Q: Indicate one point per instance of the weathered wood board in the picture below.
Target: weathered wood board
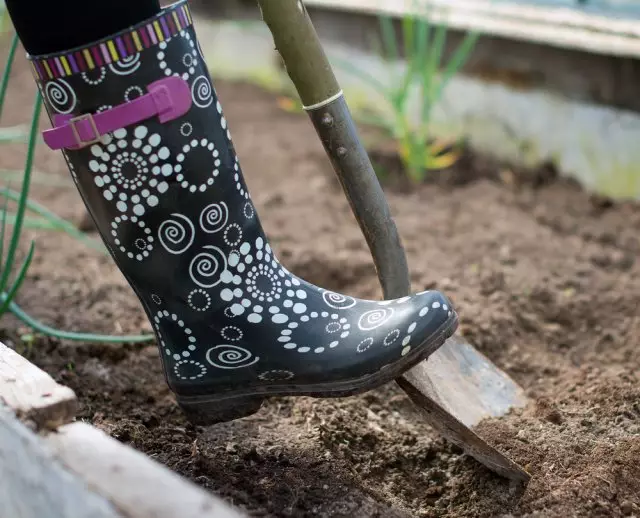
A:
(34, 485)
(139, 486)
(32, 394)
(73, 470)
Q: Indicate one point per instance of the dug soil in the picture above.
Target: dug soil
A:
(544, 276)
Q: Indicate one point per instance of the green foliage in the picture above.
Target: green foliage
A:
(18, 219)
(422, 45)
(4, 18)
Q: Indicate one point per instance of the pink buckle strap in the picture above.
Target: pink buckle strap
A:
(168, 98)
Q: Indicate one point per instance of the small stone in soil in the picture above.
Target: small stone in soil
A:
(84, 222)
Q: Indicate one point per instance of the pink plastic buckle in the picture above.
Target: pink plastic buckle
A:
(76, 134)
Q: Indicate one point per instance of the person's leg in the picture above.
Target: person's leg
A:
(47, 26)
(161, 178)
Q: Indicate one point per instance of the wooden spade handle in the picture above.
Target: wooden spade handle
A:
(299, 46)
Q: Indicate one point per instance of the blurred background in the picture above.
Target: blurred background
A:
(550, 81)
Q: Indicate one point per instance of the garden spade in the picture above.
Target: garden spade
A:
(457, 386)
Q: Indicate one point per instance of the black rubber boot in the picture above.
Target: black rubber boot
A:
(148, 147)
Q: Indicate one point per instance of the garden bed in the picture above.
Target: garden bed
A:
(546, 282)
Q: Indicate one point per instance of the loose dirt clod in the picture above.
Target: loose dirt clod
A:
(544, 278)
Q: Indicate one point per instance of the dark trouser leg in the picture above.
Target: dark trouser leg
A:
(46, 26)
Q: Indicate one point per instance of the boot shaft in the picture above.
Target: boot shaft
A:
(159, 192)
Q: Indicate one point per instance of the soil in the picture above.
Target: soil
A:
(545, 278)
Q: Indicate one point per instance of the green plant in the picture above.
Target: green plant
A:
(423, 46)
(46, 219)
(4, 18)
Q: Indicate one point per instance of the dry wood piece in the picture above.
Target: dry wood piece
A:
(550, 15)
(34, 485)
(78, 471)
(138, 486)
(32, 394)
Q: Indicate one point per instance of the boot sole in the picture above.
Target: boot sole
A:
(209, 409)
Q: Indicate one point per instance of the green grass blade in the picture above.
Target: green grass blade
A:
(422, 43)
(457, 61)
(37, 177)
(3, 226)
(431, 71)
(58, 223)
(11, 293)
(428, 83)
(11, 135)
(401, 94)
(361, 74)
(4, 84)
(419, 61)
(408, 39)
(22, 203)
(389, 38)
(439, 40)
(38, 326)
(416, 59)
(32, 223)
(398, 96)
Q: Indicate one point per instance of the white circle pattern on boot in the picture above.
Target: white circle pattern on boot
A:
(231, 357)
(126, 167)
(139, 241)
(176, 234)
(202, 148)
(263, 286)
(187, 65)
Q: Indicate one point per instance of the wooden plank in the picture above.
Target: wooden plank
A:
(34, 485)
(32, 394)
(137, 485)
(557, 26)
(77, 471)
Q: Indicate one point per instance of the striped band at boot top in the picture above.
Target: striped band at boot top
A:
(121, 48)
(172, 206)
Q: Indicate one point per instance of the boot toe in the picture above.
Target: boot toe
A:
(432, 314)
(417, 326)
(372, 339)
